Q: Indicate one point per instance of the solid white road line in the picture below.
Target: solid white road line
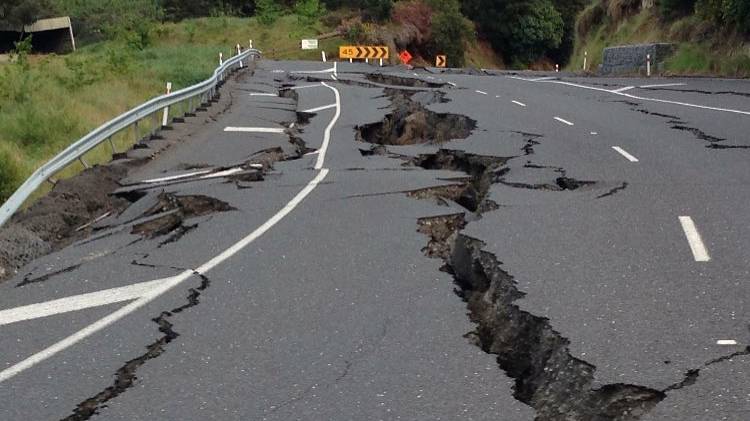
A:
(520, 104)
(225, 173)
(624, 153)
(700, 253)
(169, 283)
(315, 110)
(327, 133)
(663, 85)
(481, 92)
(262, 94)
(78, 302)
(452, 84)
(563, 121)
(627, 88)
(254, 130)
(726, 342)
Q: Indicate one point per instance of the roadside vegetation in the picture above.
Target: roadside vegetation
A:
(711, 36)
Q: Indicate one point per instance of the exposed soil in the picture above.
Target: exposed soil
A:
(411, 122)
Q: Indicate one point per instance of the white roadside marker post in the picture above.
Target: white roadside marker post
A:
(239, 51)
(648, 65)
(585, 60)
(250, 44)
(557, 68)
(381, 62)
(323, 55)
(165, 114)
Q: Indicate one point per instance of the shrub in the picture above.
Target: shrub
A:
(308, 11)
(10, 174)
(416, 13)
(267, 11)
(590, 17)
(449, 33)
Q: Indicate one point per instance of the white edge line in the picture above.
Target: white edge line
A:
(700, 253)
(624, 153)
(726, 342)
(561, 120)
(481, 92)
(327, 133)
(521, 104)
(315, 110)
(315, 71)
(262, 94)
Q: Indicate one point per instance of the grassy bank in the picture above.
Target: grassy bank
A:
(698, 51)
(51, 101)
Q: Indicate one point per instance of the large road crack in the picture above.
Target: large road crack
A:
(125, 376)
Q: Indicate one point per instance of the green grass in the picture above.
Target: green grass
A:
(58, 99)
(717, 57)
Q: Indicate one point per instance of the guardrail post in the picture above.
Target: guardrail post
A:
(83, 162)
(165, 116)
(112, 144)
(135, 132)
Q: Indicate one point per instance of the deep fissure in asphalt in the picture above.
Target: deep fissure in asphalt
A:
(411, 122)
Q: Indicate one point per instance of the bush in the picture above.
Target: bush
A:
(415, 13)
(591, 17)
(672, 9)
(267, 11)
(534, 28)
(309, 11)
(449, 33)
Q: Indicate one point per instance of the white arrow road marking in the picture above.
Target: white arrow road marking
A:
(624, 153)
(315, 110)
(700, 253)
(563, 121)
(162, 286)
(520, 104)
(254, 130)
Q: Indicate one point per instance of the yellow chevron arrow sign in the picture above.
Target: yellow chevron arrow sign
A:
(363, 52)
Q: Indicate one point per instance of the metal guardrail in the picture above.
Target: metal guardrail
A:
(206, 90)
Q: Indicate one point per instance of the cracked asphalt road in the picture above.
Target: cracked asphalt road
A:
(348, 242)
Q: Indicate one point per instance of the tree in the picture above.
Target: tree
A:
(450, 29)
(267, 11)
(17, 13)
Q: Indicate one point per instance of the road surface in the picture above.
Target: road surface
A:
(426, 245)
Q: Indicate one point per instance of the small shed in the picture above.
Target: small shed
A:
(53, 35)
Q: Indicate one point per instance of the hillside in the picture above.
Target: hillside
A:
(707, 43)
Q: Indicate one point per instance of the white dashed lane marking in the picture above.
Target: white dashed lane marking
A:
(700, 253)
(624, 153)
